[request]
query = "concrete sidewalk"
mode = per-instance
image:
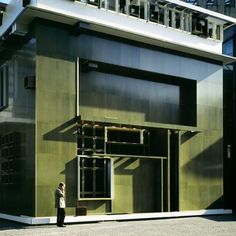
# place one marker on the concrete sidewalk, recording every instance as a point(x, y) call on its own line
point(224, 225)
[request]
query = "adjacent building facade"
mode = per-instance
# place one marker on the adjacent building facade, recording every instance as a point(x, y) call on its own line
point(226, 7)
point(122, 101)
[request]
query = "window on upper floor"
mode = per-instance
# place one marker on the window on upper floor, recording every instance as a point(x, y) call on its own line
point(194, 2)
point(229, 3)
point(211, 2)
point(215, 30)
point(199, 26)
point(228, 47)
point(3, 87)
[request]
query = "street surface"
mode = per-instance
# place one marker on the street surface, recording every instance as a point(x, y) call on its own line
point(190, 226)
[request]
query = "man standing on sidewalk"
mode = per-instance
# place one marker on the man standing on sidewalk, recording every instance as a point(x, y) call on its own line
point(60, 204)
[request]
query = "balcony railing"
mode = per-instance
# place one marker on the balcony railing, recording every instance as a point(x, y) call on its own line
point(164, 13)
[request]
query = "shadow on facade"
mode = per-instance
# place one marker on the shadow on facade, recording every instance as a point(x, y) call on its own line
point(218, 202)
point(65, 132)
point(187, 135)
point(16, 159)
point(71, 182)
point(207, 169)
point(125, 166)
point(145, 183)
point(207, 163)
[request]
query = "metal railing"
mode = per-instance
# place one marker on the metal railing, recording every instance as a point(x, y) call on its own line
point(163, 13)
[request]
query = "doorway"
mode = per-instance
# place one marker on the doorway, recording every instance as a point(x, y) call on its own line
point(174, 170)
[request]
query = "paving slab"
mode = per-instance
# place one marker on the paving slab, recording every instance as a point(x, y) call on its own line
point(190, 226)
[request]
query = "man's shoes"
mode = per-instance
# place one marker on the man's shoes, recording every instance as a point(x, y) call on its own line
point(61, 225)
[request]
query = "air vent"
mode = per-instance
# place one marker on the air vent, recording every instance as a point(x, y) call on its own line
point(29, 82)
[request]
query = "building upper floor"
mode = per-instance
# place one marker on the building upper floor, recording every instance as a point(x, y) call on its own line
point(171, 24)
point(227, 7)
